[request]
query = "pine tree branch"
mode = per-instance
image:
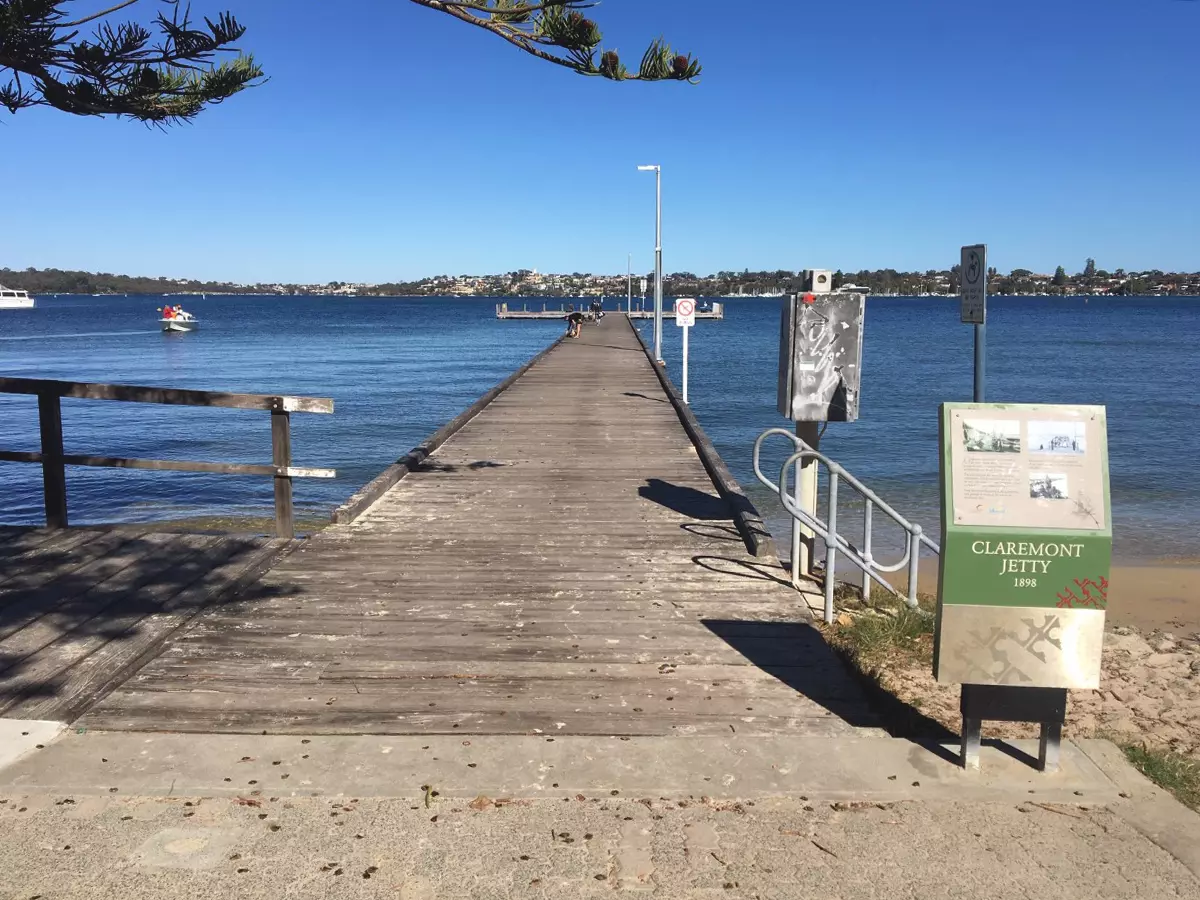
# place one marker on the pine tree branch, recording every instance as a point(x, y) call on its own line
point(117, 71)
point(97, 15)
point(535, 26)
point(517, 40)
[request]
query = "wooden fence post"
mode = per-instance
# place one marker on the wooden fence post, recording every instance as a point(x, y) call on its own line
point(281, 455)
point(54, 472)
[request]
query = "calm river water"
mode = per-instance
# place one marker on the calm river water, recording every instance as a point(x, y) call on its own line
point(399, 368)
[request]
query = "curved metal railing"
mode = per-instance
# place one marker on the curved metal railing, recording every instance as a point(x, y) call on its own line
point(835, 542)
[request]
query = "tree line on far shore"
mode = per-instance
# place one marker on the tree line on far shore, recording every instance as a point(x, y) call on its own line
point(526, 283)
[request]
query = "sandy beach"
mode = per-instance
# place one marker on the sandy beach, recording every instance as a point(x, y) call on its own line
point(1161, 597)
point(1150, 682)
point(1154, 596)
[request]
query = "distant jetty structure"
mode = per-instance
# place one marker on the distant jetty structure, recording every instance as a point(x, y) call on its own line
point(503, 311)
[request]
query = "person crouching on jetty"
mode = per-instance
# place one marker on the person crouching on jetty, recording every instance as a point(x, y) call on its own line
point(574, 321)
point(574, 324)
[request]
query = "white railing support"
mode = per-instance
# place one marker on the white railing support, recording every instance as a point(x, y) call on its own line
point(835, 543)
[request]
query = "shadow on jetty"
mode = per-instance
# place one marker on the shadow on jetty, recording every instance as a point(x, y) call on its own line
point(797, 655)
point(686, 501)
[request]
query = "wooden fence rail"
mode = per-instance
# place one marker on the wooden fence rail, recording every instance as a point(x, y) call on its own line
point(54, 460)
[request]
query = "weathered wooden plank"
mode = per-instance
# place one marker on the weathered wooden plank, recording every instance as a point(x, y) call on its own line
point(36, 654)
point(478, 627)
point(181, 662)
point(362, 500)
point(60, 579)
point(561, 560)
point(135, 633)
point(281, 456)
point(174, 396)
point(31, 625)
point(16, 539)
point(391, 700)
point(324, 648)
point(329, 721)
point(46, 559)
point(174, 465)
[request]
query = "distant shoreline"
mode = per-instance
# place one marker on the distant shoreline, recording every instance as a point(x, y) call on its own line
point(544, 298)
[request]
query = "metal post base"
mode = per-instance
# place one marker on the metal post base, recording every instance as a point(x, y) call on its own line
point(1004, 703)
point(972, 740)
point(1049, 746)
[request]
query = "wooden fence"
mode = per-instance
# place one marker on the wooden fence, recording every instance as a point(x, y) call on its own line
point(54, 460)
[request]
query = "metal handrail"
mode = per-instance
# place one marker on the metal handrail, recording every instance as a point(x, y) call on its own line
point(834, 541)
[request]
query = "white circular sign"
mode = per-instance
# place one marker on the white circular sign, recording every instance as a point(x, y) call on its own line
point(685, 307)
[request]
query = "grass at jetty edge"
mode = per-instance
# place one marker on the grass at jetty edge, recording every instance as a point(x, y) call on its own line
point(881, 637)
point(1170, 771)
point(885, 632)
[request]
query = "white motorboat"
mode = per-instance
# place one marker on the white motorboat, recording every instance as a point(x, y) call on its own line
point(10, 299)
point(179, 321)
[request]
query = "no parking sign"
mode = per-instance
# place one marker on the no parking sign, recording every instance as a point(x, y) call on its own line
point(685, 318)
point(685, 312)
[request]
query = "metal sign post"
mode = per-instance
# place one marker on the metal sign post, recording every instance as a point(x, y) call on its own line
point(973, 292)
point(685, 318)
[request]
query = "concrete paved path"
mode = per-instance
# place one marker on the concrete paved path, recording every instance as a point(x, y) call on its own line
point(189, 817)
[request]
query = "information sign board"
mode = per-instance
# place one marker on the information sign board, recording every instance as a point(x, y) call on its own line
point(1026, 545)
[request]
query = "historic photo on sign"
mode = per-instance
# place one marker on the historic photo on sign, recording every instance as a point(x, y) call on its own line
point(992, 436)
point(1026, 466)
point(1047, 486)
point(1058, 437)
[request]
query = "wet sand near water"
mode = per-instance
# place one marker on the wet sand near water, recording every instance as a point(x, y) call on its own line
point(1163, 597)
point(1150, 597)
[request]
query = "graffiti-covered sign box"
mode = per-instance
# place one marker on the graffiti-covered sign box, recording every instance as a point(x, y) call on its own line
point(820, 357)
point(1026, 545)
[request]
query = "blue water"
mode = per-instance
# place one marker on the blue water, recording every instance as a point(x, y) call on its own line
point(397, 369)
point(1138, 357)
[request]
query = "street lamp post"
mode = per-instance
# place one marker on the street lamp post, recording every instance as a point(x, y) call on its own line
point(658, 299)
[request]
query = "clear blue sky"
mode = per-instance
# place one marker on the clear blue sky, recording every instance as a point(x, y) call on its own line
point(393, 143)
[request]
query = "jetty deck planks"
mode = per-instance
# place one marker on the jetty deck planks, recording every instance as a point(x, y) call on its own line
point(563, 565)
point(83, 608)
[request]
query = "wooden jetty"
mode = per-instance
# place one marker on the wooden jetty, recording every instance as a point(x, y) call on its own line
point(569, 557)
point(507, 311)
point(81, 609)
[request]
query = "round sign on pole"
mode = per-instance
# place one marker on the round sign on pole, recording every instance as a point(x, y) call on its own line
point(685, 312)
